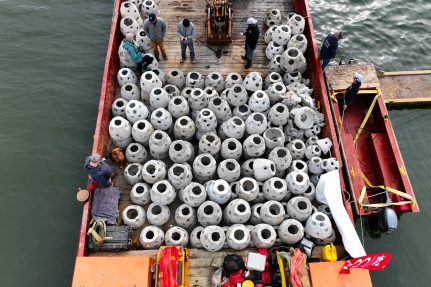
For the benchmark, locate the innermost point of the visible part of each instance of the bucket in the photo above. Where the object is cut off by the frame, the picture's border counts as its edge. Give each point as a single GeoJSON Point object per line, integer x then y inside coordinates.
{"type": "Point", "coordinates": [82, 195]}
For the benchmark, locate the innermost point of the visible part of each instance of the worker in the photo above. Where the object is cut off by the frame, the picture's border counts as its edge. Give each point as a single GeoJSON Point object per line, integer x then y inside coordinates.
{"type": "Point", "coordinates": [187, 33]}
{"type": "Point", "coordinates": [135, 53]}
{"type": "Point", "coordinates": [349, 96]}
{"type": "Point", "coordinates": [329, 48]}
{"type": "Point", "coordinates": [155, 29]}
{"type": "Point", "coordinates": [251, 39]}
{"type": "Point", "coordinates": [99, 171]}
{"type": "Point", "coordinates": [105, 196]}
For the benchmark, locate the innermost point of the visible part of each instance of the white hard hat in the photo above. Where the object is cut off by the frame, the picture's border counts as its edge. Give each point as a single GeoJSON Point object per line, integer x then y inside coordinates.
{"type": "Point", "coordinates": [358, 77]}
{"type": "Point", "coordinates": [251, 21]}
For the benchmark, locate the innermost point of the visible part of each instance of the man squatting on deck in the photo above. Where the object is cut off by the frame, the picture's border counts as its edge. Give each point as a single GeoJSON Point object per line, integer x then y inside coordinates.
{"type": "Point", "coordinates": [349, 96]}
{"type": "Point", "coordinates": [329, 48]}
{"type": "Point", "coordinates": [135, 53]}
{"type": "Point", "coordinates": [187, 33]}
{"type": "Point", "coordinates": [155, 29]}
{"type": "Point", "coordinates": [251, 39]}
{"type": "Point", "coordinates": [105, 196]}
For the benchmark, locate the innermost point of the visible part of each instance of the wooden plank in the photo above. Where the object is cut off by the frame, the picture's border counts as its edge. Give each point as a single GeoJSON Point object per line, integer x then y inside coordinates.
{"type": "Point", "coordinates": [200, 272]}
{"type": "Point", "coordinates": [411, 102]}
{"type": "Point", "coordinates": [199, 281]}
{"type": "Point", "coordinates": [340, 77]}
{"type": "Point", "coordinates": [206, 262]}
{"type": "Point", "coordinates": [404, 73]}
{"type": "Point", "coordinates": [402, 88]}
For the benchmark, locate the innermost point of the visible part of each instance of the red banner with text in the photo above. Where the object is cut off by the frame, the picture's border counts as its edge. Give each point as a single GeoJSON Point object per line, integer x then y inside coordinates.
{"type": "Point", "coordinates": [376, 261]}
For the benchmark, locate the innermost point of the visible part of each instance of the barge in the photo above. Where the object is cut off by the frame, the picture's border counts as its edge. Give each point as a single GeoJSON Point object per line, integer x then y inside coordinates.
{"type": "Point", "coordinates": [133, 267]}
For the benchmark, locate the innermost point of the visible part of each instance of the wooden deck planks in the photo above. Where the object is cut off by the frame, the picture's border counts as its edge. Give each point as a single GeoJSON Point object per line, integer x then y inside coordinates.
{"type": "Point", "coordinates": [406, 88]}
{"type": "Point", "coordinates": [230, 61]}
{"type": "Point", "coordinates": [340, 77]}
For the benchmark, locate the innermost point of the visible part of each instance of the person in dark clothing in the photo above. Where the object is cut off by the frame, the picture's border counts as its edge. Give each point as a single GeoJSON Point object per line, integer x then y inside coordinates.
{"type": "Point", "coordinates": [104, 206]}
{"type": "Point", "coordinates": [329, 48]}
{"type": "Point", "coordinates": [99, 171]}
{"type": "Point", "coordinates": [350, 94]}
{"type": "Point", "coordinates": [251, 39]}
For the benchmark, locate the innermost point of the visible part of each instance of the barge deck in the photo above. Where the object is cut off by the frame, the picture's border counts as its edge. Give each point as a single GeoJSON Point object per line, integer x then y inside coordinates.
{"type": "Point", "coordinates": [223, 59]}
{"type": "Point", "coordinates": [228, 59]}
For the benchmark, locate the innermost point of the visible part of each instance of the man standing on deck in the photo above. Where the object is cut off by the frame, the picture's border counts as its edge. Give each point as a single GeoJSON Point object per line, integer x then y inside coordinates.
{"type": "Point", "coordinates": [155, 29]}
{"type": "Point", "coordinates": [251, 39]}
{"type": "Point", "coordinates": [187, 33]}
{"type": "Point", "coordinates": [135, 53]}
{"type": "Point", "coordinates": [350, 94]}
{"type": "Point", "coordinates": [99, 171]}
{"type": "Point", "coordinates": [329, 48]}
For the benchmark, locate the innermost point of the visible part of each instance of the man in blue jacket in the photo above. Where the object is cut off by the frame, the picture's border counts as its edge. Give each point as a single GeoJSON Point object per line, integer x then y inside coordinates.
{"type": "Point", "coordinates": [99, 171]}
{"type": "Point", "coordinates": [329, 48]}
{"type": "Point", "coordinates": [187, 33]}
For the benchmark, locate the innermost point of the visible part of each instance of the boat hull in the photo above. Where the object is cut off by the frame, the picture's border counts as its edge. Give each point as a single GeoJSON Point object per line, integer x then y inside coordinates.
{"type": "Point", "coordinates": [373, 161]}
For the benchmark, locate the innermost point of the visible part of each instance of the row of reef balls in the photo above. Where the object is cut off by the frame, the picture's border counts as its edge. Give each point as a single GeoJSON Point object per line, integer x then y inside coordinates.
{"type": "Point", "coordinates": [240, 153]}
{"type": "Point", "coordinates": [132, 14]}
{"type": "Point", "coordinates": [286, 42]}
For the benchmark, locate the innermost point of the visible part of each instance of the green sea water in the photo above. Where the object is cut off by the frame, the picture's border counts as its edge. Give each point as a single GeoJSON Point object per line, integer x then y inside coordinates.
{"type": "Point", "coordinates": [51, 58]}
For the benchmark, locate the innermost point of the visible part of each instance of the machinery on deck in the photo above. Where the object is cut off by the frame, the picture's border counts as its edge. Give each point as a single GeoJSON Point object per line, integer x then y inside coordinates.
{"type": "Point", "coordinates": [219, 22]}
